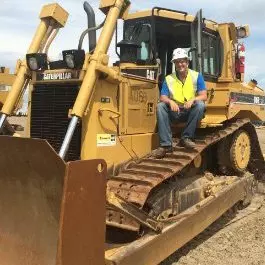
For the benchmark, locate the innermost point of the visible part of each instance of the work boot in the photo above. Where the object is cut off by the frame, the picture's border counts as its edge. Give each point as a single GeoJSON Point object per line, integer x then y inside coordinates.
{"type": "Point", "coordinates": [188, 143]}
{"type": "Point", "coordinates": [162, 151]}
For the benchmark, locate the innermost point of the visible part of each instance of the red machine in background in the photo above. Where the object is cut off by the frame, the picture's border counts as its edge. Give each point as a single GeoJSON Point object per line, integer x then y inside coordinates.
{"type": "Point", "coordinates": [240, 60]}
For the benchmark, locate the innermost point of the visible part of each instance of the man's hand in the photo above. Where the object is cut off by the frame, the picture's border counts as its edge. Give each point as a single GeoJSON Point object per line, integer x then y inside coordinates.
{"type": "Point", "coordinates": [188, 104]}
{"type": "Point", "coordinates": [173, 106]}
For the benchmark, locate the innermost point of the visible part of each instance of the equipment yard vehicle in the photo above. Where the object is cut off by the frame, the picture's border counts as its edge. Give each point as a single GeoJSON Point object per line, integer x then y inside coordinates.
{"type": "Point", "coordinates": [85, 171]}
{"type": "Point", "coordinates": [6, 81]}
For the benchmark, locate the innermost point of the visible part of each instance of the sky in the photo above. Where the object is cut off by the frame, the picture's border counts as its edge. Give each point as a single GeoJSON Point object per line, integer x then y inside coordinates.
{"type": "Point", "coordinates": [19, 20]}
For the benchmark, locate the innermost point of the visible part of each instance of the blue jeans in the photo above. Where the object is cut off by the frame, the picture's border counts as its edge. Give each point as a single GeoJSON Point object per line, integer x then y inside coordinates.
{"type": "Point", "coordinates": [165, 117]}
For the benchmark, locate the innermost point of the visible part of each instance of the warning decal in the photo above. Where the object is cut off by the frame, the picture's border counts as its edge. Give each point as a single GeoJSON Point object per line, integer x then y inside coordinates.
{"type": "Point", "coordinates": [106, 139]}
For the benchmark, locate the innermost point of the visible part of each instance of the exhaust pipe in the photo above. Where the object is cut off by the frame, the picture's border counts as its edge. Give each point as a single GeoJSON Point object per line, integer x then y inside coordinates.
{"type": "Point", "coordinates": [91, 23]}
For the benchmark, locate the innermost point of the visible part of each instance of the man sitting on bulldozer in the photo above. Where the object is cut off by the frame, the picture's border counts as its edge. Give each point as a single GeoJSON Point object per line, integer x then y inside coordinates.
{"type": "Point", "coordinates": [181, 100]}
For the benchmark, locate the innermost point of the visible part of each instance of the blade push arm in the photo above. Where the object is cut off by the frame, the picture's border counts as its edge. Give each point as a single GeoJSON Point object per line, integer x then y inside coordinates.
{"type": "Point", "coordinates": [91, 76]}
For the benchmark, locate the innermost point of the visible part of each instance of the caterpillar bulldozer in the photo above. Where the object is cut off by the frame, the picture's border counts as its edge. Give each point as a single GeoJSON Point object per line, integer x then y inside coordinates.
{"type": "Point", "coordinates": [83, 187]}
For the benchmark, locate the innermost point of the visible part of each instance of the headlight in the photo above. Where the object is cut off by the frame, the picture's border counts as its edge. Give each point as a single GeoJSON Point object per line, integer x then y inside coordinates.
{"type": "Point", "coordinates": [74, 59]}
{"type": "Point", "coordinates": [69, 60]}
{"type": "Point", "coordinates": [37, 61]}
{"type": "Point", "coordinates": [242, 31]}
{"type": "Point", "coordinates": [33, 64]}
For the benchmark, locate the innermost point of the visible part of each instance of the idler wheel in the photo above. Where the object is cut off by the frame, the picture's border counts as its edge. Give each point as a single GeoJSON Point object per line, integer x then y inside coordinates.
{"type": "Point", "coordinates": [240, 151]}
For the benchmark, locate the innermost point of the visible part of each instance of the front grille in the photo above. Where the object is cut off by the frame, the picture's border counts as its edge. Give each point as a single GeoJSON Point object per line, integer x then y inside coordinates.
{"type": "Point", "coordinates": [49, 116]}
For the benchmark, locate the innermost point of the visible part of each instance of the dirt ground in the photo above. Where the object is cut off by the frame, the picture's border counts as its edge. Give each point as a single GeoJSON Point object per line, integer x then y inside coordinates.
{"type": "Point", "coordinates": [16, 120]}
{"type": "Point", "coordinates": [237, 238]}
{"type": "Point", "coordinates": [234, 239]}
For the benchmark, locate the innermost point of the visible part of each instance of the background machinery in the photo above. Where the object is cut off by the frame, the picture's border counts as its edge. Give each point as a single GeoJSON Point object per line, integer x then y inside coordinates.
{"type": "Point", "coordinates": [84, 111]}
{"type": "Point", "coordinates": [6, 81]}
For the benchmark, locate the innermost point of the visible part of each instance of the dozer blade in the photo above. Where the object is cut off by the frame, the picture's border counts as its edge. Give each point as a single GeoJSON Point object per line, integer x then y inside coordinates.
{"type": "Point", "coordinates": [51, 212]}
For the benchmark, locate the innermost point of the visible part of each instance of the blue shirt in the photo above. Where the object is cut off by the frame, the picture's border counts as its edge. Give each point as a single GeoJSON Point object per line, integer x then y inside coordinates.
{"type": "Point", "coordinates": [200, 86]}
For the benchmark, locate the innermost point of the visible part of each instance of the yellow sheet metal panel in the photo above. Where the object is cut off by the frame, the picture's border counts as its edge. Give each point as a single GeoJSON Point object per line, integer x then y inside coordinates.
{"type": "Point", "coordinates": [161, 13]}
{"type": "Point", "coordinates": [56, 12]}
{"type": "Point", "coordinates": [213, 119]}
{"type": "Point", "coordinates": [253, 112]}
{"type": "Point", "coordinates": [106, 4]}
{"type": "Point", "coordinates": [101, 119]}
{"type": "Point", "coordinates": [170, 15]}
{"type": "Point", "coordinates": [227, 73]}
{"type": "Point", "coordinates": [6, 79]}
{"type": "Point", "coordinates": [143, 142]}
{"type": "Point", "coordinates": [3, 95]}
{"type": "Point", "coordinates": [117, 150]}
{"type": "Point", "coordinates": [100, 137]}
{"type": "Point", "coordinates": [138, 99]}
{"type": "Point", "coordinates": [218, 98]}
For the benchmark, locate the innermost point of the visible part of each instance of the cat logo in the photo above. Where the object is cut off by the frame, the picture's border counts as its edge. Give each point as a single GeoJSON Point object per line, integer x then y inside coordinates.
{"type": "Point", "coordinates": [150, 74]}
{"type": "Point", "coordinates": [57, 76]}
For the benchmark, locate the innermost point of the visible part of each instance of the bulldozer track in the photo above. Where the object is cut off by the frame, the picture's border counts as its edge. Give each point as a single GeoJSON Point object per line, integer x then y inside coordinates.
{"type": "Point", "coordinates": [136, 183]}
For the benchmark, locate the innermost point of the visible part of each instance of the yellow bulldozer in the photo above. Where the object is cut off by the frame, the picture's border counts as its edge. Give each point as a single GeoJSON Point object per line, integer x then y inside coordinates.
{"type": "Point", "coordinates": [83, 187]}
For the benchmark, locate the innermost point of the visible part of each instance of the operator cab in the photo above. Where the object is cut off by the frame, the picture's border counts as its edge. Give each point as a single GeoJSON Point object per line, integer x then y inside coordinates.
{"type": "Point", "coordinates": [151, 39]}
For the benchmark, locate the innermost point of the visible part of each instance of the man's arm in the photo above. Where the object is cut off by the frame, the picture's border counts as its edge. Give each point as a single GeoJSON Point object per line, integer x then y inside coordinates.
{"type": "Point", "coordinates": [164, 97]}
{"type": "Point", "coordinates": [201, 89]}
{"type": "Point", "coordinates": [201, 93]}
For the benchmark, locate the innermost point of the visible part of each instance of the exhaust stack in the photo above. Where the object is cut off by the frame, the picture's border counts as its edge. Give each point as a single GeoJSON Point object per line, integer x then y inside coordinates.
{"type": "Point", "coordinates": [91, 23]}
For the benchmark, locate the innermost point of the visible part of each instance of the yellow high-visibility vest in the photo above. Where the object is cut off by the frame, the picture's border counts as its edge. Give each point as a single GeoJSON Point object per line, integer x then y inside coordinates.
{"type": "Point", "coordinates": [182, 92]}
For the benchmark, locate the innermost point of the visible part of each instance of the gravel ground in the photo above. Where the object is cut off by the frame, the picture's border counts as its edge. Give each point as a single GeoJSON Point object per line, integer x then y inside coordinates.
{"type": "Point", "coordinates": [240, 243]}
{"type": "Point", "coordinates": [15, 120]}
{"type": "Point", "coordinates": [229, 241]}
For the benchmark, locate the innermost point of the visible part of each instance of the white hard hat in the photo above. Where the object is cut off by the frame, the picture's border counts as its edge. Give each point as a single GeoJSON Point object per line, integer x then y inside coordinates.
{"type": "Point", "coordinates": [179, 54]}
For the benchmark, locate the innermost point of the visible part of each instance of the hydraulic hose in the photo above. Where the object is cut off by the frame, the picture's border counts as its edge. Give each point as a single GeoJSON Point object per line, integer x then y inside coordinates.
{"type": "Point", "coordinates": [81, 39]}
